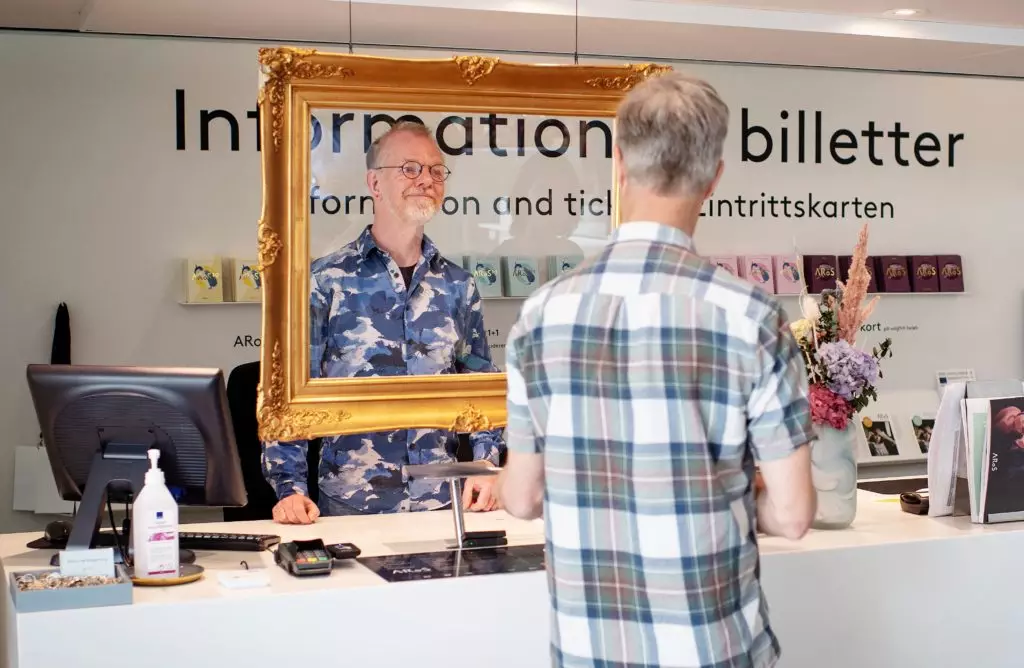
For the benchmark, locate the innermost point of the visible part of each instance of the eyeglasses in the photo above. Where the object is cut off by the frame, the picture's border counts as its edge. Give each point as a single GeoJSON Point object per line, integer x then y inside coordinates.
{"type": "Point", "coordinates": [413, 169]}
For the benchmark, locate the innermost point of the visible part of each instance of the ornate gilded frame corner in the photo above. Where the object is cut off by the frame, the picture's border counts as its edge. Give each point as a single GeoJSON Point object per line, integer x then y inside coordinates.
{"type": "Point", "coordinates": [291, 405]}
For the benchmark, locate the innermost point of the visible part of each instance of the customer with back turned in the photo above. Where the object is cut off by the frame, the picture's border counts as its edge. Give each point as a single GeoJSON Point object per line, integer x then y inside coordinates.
{"type": "Point", "coordinates": [642, 389]}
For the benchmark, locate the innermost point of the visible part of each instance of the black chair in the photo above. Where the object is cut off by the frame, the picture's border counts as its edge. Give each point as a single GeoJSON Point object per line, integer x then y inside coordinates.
{"type": "Point", "coordinates": [241, 389]}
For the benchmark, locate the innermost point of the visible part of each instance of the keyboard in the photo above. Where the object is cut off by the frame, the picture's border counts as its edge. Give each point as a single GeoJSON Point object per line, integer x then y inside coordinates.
{"type": "Point", "coordinates": [228, 542]}
{"type": "Point", "coordinates": [187, 540]}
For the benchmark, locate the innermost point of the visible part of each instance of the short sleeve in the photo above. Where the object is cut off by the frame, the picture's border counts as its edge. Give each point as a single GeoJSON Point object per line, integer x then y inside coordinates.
{"type": "Point", "coordinates": [520, 435]}
{"type": "Point", "coordinates": [778, 409]}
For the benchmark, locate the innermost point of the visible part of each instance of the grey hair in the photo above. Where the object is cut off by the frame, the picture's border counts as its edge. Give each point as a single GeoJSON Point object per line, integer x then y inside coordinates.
{"type": "Point", "coordinates": [671, 130]}
{"type": "Point", "coordinates": [377, 147]}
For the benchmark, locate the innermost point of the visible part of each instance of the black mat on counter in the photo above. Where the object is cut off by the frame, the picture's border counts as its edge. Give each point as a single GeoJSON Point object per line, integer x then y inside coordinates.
{"type": "Point", "coordinates": [454, 563]}
{"type": "Point", "coordinates": [898, 486]}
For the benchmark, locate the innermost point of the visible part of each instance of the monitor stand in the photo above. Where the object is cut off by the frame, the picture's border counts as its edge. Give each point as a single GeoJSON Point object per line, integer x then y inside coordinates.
{"type": "Point", "coordinates": [121, 467]}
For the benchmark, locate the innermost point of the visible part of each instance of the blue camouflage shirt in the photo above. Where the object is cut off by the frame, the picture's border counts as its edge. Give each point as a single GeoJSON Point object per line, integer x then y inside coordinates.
{"type": "Point", "coordinates": [365, 322]}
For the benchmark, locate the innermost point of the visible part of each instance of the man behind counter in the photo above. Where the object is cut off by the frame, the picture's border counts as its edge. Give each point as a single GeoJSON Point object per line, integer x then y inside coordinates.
{"type": "Point", "coordinates": [388, 304]}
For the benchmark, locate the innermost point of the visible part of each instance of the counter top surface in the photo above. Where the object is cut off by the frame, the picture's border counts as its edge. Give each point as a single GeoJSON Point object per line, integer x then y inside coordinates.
{"type": "Point", "coordinates": [374, 535]}
{"type": "Point", "coordinates": [879, 522]}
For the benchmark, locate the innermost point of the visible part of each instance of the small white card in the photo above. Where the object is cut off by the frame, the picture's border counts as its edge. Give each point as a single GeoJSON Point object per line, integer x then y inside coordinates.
{"type": "Point", "coordinates": [85, 563]}
{"type": "Point", "coordinates": [244, 579]}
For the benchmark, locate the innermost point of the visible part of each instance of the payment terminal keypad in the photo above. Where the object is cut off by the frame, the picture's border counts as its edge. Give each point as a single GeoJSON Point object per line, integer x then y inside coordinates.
{"type": "Point", "coordinates": [304, 557]}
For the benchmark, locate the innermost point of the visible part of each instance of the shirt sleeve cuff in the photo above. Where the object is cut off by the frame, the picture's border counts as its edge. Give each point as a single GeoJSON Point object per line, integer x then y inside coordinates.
{"type": "Point", "coordinates": [487, 451]}
{"type": "Point", "coordinates": [287, 488]}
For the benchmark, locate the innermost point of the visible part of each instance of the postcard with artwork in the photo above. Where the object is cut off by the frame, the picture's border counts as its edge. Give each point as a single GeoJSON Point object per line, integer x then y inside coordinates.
{"type": "Point", "coordinates": [204, 280]}
{"type": "Point", "coordinates": [487, 272]}
{"type": "Point", "coordinates": [923, 424]}
{"type": "Point", "coordinates": [522, 275]}
{"type": "Point", "coordinates": [880, 434]}
{"type": "Point", "coordinates": [562, 264]}
{"type": "Point", "coordinates": [248, 280]}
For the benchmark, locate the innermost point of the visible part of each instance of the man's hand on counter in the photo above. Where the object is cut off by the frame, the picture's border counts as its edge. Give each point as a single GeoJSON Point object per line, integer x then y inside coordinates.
{"type": "Point", "coordinates": [485, 492]}
{"type": "Point", "coordinates": [296, 509]}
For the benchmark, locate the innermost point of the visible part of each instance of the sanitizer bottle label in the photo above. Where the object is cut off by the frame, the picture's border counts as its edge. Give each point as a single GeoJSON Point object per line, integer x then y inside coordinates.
{"type": "Point", "coordinates": [163, 548]}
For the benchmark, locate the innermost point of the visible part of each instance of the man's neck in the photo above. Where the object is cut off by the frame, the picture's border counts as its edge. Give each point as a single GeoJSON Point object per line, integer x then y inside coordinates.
{"type": "Point", "coordinates": [403, 242]}
{"type": "Point", "coordinates": [681, 214]}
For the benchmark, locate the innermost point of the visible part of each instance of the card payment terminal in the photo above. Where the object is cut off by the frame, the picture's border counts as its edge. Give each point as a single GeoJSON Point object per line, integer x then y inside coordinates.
{"type": "Point", "coordinates": [304, 557]}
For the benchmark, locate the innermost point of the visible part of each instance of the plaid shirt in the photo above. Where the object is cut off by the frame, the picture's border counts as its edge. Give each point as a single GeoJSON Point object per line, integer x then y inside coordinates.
{"type": "Point", "coordinates": [651, 381]}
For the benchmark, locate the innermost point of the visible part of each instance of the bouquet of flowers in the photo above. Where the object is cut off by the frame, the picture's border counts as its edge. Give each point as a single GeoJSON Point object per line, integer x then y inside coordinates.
{"type": "Point", "coordinates": [842, 377]}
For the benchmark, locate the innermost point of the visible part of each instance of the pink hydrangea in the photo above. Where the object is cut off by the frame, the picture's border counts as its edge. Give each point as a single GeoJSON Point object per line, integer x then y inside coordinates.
{"type": "Point", "coordinates": [829, 408]}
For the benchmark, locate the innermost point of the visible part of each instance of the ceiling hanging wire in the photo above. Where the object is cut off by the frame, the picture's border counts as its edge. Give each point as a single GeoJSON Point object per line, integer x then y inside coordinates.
{"type": "Point", "coordinates": [576, 44]}
{"type": "Point", "coordinates": [350, 27]}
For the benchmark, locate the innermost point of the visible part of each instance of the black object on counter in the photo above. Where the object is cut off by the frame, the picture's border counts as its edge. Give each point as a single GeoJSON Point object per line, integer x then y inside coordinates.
{"type": "Point", "coordinates": [456, 563]}
{"type": "Point", "coordinates": [914, 503]}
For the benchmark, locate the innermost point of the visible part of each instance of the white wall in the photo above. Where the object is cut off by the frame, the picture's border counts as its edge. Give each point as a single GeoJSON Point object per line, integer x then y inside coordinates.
{"type": "Point", "coordinates": [98, 206]}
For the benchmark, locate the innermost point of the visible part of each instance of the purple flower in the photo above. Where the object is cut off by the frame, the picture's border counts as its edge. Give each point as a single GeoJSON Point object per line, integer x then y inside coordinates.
{"type": "Point", "coordinates": [849, 370]}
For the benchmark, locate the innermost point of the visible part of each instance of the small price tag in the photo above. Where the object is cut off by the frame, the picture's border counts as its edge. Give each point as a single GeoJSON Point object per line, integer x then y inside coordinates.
{"type": "Point", "coordinates": [943, 378]}
{"type": "Point", "coordinates": [84, 563]}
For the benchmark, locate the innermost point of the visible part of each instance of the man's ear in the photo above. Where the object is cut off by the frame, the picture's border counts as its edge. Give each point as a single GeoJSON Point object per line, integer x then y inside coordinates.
{"type": "Point", "coordinates": [714, 183]}
{"type": "Point", "coordinates": [618, 168]}
{"type": "Point", "coordinates": [373, 183]}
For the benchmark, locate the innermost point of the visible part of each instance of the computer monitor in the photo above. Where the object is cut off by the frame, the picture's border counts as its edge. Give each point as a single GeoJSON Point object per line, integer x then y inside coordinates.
{"type": "Point", "coordinates": [98, 422]}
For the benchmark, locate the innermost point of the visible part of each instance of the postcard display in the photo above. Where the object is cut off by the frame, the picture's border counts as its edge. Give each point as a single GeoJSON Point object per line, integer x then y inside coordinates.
{"type": "Point", "coordinates": [890, 431]}
{"type": "Point", "coordinates": [789, 274]}
{"type": "Point", "coordinates": [214, 280]}
{"type": "Point", "coordinates": [891, 436]}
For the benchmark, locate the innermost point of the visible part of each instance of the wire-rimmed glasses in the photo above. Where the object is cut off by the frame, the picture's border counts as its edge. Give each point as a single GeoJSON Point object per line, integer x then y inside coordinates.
{"type": "Point", "coordinates": [412, 169]}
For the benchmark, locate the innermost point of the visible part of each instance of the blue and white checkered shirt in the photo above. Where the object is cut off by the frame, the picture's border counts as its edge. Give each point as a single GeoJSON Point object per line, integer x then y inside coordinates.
{"type": "Point", "coordinates": [652, 381]}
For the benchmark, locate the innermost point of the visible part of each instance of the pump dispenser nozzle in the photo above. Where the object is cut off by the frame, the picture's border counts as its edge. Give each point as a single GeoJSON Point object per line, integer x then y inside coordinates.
{"type": "Point", "coordinates": [154, 473]}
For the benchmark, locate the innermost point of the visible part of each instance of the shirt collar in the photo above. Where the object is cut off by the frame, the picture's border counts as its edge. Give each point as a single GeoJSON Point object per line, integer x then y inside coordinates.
{"type": "Point", "coordinates": [643, 230]}
{"type": "Point", "coordinates": [366, 244]}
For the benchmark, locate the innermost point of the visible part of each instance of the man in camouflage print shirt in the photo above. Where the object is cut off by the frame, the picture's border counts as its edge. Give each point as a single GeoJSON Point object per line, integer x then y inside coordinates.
{"type": "Point", "coordinates": [388, 304]}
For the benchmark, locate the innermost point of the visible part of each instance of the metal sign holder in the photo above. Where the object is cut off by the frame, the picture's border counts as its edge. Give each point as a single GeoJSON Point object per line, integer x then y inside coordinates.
{"type": "Point", "coordinates": [453, 474]}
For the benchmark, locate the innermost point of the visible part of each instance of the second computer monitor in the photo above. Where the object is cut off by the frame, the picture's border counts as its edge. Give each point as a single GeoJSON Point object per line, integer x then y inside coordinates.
{"type": "Point", "coordinates": [117, 413]}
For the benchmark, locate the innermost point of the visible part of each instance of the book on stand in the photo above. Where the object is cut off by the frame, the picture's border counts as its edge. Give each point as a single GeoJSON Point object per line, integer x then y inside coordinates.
{"type": "Point", "coordinates": [989, 458]}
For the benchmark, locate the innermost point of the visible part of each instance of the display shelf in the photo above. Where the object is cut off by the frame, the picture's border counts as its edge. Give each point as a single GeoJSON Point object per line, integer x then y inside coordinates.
{"type": "Point", "coordinates": [181, 303]}
{"type": "Point", "coordinates": [893, 460]}
{"type": "Point", "coordinates": [870, 294]}
{"type": "Point", "coordinates": [506, 299]}
{"type": "Point", "coordinates": [220, 303]}
{"type": "Point", "coordinates": [888, 294]}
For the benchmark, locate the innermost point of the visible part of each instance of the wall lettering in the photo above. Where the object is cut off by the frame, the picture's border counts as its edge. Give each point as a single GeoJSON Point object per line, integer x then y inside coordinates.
{"type": "Point", "coordinates": [887, 146]}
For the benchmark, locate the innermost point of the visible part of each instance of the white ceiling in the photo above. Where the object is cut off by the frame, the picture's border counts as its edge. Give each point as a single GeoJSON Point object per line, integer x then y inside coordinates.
{"type": "Point", "coordinates": [984, 37]}
{"type": "Point", "coordinates": [1008, 13]}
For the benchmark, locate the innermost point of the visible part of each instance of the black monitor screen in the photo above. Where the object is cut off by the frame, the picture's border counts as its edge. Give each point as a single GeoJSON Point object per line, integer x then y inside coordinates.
{"type": "Point", "coordinates": [85, 410]}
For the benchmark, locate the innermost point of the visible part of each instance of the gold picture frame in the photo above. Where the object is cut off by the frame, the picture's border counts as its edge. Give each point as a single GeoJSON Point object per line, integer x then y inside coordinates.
{"type": "Point", "coordinates": [291, 405]}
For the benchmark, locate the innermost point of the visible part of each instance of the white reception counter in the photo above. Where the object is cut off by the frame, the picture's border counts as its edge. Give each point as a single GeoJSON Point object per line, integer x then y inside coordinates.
{"type": "Point", "coordinates": [893, 590]}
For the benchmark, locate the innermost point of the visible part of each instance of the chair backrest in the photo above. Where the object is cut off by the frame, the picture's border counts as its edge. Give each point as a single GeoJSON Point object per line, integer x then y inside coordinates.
{"type": "Point", "coordinates": [241, 390]}
{"type": "Point", "coordinates": [242, 383]}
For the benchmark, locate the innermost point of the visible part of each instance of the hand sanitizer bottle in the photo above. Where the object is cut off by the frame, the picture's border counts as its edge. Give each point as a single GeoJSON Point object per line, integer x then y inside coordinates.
{"type": "Point", "coordinates": [154, 526]}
